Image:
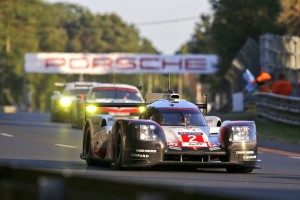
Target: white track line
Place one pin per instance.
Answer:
(6, 135)
(68, 146)
(296, 157)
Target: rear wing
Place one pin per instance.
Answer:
(76, 84)
(141, 106)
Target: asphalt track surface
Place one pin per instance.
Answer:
(31, 140)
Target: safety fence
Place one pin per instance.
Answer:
(278, 108)
(30, 184)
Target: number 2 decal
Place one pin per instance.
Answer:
(192, 138)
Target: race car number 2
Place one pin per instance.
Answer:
(193, 140)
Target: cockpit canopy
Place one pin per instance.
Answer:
(115, 93)
(176, 116)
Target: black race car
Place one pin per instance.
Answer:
(171, 131)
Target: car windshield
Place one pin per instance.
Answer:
(116, 93)
(182, 117)
(75, 91)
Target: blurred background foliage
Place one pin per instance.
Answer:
(30, 26)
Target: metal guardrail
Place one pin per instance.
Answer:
(31, 184)
(278, 108)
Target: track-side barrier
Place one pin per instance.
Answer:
(278, 108)
(30, 184)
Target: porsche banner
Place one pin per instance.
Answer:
(92, 63)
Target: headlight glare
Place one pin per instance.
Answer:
(142, 109)
(65, 102)
(240, 134)
(146, 133)
(91, 109)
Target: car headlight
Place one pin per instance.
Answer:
(142, 109)
(91, 109)
(65, 102)
(240, 134)
(146, 133)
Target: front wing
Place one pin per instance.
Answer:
(137, 153)
(151, 157)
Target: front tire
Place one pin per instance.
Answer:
(118, 150)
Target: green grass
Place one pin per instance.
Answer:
(268, 129)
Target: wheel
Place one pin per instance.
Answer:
(87, 148)
(238, 169)
(118, 150)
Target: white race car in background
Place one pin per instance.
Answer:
(106, 93)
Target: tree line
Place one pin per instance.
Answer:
(232, 21)
(28, 26)
(32, 26)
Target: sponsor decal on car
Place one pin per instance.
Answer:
(174, 145)
(146, 150)
(175, 148)
(249, 157)
(119, 113)
(196, 144)
(214, 148)
(244, 152)
(137, 155)
(190, 133)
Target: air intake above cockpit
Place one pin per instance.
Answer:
(171, 96)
